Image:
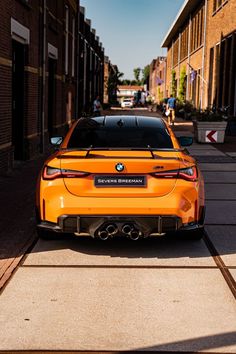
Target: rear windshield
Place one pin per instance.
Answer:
(99, 136)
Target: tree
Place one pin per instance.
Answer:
(113, 81)
(137, 72)
(126, 82)
(146, 73)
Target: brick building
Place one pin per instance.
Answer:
(202, 52)
(51, 67)
(91, 64)
(157, 79)
(110, 81)
(38, 71)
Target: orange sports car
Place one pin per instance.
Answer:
(120, 175)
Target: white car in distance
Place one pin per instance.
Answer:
(127, 103)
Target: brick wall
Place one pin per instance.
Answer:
(216, 72)
(30, 15)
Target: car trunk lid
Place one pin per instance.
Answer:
(102, 179)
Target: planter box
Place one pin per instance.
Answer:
(231, 128)
(209, 132)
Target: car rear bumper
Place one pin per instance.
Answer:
(93, 225)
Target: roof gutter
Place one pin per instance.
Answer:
(187, 8)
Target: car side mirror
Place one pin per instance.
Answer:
(185, 140)
(56, 141)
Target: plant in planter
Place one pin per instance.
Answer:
(209, 126)
(185, 110)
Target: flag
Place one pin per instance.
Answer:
(159, 81)
(193, 73)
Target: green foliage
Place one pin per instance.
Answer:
(173, 83)
(126, 82)
(137, 72)
(207, 115)
(182, 85)
(145, 72)
(113, 81)
(159, 94)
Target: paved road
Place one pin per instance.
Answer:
(151, 295)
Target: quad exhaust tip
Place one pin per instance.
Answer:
(131, 231)
(103, 235)
(128, 230)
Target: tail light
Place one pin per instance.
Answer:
(50, 173)
(189, 174)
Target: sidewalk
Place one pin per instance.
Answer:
(17, 222)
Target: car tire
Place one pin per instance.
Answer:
(194, 235)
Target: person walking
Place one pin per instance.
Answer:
(97, 107)
(171, 104)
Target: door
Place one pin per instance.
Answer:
(18, 62)
(51, 94)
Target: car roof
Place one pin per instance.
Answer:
(127, 121)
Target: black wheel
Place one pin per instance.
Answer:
(194, 234)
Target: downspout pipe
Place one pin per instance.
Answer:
(43, 76)
(179, 54)
(77, 66)
(203, 56)
(189, 49)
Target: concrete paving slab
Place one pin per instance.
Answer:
(213, 159)
(183, 133)
(120, 252)
(220, 213)
(219, 177)
(218, 167)
(220, 192)
(224, 240)
(207, 152)
(118, 309)
(202, 147)
(232, 154)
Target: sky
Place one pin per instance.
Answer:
(131, 31)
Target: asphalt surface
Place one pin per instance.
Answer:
(163, 295)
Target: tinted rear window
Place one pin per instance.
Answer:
(92, 133)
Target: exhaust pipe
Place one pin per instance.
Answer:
(126, 229)
(111, 229)
(130, 231)
(134, 235)
(103, 235)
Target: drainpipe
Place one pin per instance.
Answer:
(165, 69)
(203, 56)
(43, 76)
(188, 66)
(77, 66)
(179, 52)
(172, 63)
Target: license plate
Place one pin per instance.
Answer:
(120, 181)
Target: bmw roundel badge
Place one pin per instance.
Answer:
(120, 167)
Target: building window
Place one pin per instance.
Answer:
(73, 48)
(197, 30)
(218, 4)
(184, 43)
(66, 39)
(175, 52)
